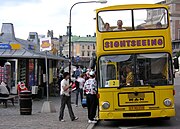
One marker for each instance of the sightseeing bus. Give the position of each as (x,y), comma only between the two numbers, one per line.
(134,62)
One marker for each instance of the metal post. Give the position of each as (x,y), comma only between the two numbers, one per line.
(47,85)
(69,35)
(70,49)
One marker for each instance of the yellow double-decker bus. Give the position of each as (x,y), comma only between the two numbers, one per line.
(134,62)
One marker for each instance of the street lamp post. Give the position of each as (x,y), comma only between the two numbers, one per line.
(69,27)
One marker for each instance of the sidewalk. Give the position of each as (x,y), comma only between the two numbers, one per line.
(10,117)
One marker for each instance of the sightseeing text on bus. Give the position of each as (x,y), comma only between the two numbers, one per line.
(134,43)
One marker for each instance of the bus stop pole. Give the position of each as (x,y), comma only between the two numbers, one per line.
(47,85)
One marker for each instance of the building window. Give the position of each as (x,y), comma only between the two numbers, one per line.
(88,53)
(88,46)
(32,36)
(176,46)
(82,53)
(82,46)
(94,46)
(178,34)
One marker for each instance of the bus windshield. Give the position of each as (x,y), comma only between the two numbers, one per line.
(135,70)
(134,19)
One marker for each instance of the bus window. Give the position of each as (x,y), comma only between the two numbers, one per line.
(113,18)
(155,18)
(153,69)
(111,70)
(137,69)
(124,72)
(138,19)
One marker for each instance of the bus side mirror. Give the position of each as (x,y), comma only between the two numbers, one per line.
(176,63)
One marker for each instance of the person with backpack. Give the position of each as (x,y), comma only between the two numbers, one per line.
(90,89)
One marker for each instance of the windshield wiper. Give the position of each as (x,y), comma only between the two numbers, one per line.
(121,85)
(152,85)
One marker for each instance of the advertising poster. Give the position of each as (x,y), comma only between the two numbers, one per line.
(45,44)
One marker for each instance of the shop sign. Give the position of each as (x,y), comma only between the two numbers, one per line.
(5,46)
(15,46)
(45,44)
(10,46)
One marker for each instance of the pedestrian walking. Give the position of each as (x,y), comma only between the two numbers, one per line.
(79,89)
(90,89)
(66,98)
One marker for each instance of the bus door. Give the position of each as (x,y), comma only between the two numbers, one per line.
(110,69)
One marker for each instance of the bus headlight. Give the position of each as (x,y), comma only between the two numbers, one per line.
(167,102)
(105,105)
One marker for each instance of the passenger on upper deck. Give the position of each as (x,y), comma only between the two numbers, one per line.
(158,25)
(119,26)
(140,27)
(107,27)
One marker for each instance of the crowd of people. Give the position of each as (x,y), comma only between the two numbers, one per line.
(85,85)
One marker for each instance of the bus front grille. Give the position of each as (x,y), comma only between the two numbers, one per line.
(142,114)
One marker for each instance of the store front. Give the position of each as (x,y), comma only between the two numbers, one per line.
(21,60)
(30,71)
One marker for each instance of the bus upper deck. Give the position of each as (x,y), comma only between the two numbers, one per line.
(143,27)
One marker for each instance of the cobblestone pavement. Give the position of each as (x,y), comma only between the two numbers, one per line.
(10,117)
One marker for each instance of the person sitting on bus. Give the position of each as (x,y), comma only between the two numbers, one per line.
(130,76)
(158,25)
(119,26)
(107,27)
(139,27)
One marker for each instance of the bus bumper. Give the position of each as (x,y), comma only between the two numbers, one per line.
(136,114)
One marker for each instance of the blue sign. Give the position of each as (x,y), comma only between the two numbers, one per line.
(31,47)
(5,46)
(77,58)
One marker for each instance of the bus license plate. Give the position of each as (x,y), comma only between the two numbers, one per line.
(136,108)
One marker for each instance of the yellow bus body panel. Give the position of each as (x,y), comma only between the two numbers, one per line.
(132,6)
(141,35)
(151,106)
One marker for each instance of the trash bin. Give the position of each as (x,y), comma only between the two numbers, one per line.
(25,102)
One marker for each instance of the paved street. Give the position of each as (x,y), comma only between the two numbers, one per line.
(10,117)
(173,123)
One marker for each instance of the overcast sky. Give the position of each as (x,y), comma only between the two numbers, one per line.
(43,15)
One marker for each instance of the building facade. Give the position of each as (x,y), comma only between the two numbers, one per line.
(174,9)
(82,49)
